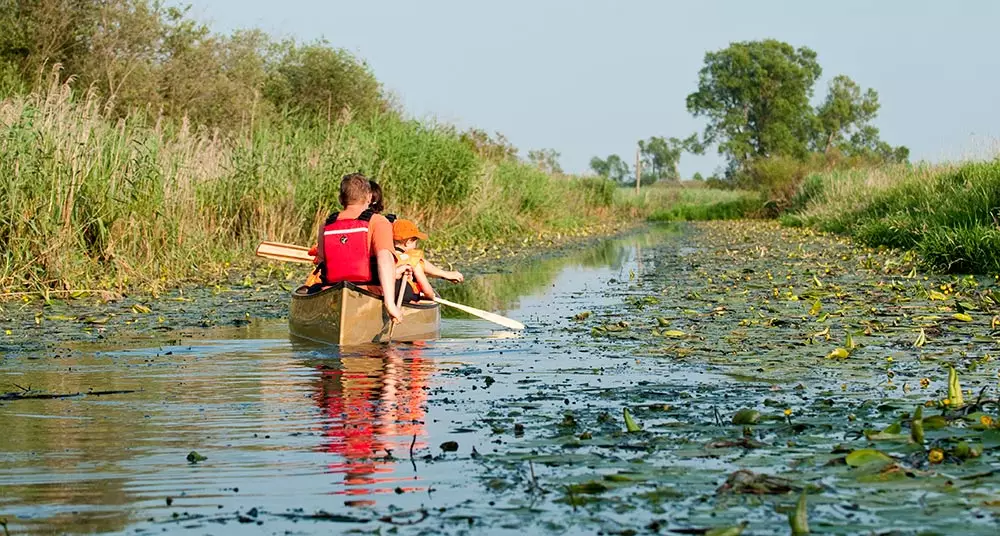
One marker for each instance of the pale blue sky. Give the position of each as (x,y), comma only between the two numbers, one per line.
(590,77)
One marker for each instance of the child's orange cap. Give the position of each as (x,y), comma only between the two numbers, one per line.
(405,230)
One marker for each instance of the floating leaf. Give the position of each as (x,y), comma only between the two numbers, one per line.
(592,487)
(673,333)
(816,308)
(581,316)
(839,353)
(935,422)
(194,457)
(890,433)
(962,317)
(921,339)
(799,519)
(935,295)
(849,342)
(630,425)
(140,309)
(862,457)
(449,446)
(746,416)
(734,530)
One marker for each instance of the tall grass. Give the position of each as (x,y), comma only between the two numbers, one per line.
(700,204)
(90,200)
(949,213)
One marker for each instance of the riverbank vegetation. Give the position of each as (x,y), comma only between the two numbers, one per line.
(140,149)
(948,214)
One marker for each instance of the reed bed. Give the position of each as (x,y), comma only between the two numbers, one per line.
(94,200)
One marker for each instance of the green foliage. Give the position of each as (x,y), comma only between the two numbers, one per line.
(732,206)
(613,168)
(755,95)
(317,82)
(947,214)
(660,157)
(141,55)
(91,200)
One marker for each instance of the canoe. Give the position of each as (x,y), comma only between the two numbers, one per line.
(348,314)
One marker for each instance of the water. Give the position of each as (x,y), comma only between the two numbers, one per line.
(289,428)
(492,432)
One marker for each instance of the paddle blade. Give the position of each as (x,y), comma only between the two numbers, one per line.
(284,252)
(485,315)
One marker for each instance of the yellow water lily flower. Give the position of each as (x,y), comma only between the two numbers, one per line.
(935,456)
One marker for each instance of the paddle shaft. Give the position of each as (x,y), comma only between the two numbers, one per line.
(399,303)
(485,315)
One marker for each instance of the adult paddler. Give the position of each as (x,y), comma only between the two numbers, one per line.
(356,245)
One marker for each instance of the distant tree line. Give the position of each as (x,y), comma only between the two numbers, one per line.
(756,97)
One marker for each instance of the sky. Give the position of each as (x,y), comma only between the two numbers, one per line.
(592,77)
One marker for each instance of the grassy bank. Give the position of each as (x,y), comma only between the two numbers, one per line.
(702,204)
(91,202)
(949,214)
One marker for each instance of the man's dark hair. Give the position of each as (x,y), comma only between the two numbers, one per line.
(377,205)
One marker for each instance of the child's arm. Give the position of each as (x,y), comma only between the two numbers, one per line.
(434,271)
(422,283)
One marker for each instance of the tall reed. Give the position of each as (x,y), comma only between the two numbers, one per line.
(90,200)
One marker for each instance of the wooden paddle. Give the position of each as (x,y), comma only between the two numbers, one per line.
(284,252)
(399,303)
(485,315)
(293,253)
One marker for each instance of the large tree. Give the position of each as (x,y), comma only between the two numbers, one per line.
(755,95)
(844,123)
(845,109)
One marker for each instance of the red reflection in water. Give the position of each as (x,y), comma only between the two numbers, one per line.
(375,406)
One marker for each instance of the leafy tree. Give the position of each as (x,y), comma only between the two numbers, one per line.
(697,177)
(613,168)
(546,160)
(844,123)
(318,81)
(755,95)
(660,156)
(845,110)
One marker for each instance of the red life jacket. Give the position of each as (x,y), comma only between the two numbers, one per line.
(346,249)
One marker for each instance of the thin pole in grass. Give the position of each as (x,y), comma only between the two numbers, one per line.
(638,169)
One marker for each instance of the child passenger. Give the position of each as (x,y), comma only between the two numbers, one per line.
(406,237)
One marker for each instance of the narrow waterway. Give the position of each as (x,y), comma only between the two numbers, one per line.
(717,337)
(292,428)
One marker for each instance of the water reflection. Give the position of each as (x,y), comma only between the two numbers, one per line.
(283,425)
(502,291)
(374,404)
